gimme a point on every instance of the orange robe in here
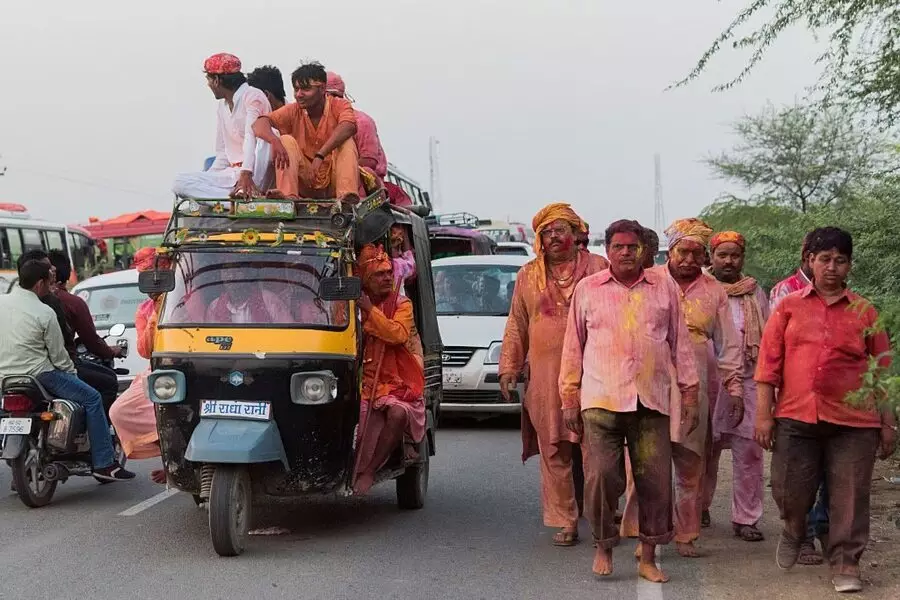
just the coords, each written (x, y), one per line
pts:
(534, 331)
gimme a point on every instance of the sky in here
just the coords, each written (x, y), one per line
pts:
(533, 101)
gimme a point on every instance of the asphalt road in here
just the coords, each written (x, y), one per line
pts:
(479, 536)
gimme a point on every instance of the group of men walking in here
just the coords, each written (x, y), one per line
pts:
(661, 368)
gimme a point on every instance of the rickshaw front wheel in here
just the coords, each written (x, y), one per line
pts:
(412, 486)
(230, 505)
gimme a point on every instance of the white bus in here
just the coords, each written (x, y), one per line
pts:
(19, 233)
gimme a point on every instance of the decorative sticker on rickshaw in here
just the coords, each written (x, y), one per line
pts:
(250, 237)
(222, 341)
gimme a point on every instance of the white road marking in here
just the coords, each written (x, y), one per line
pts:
(148, 503)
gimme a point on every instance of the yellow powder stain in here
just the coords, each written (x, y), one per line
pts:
(646, 451)
(699, 321)
(632, 310)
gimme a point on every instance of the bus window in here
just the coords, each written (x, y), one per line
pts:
(83, 257)
(32, 240)
(12, 246)
(54, 240)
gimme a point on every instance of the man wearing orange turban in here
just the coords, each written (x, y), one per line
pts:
(537, 320)
(391, 403)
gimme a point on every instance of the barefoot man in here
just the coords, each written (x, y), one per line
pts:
(750, 310)
(625, 336)
(709, 321)
(391, 405)
(537, 318)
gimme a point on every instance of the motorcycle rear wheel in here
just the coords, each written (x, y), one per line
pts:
(33, 489)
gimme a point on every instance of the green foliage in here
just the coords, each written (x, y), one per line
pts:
(861, 64)
(799, 157)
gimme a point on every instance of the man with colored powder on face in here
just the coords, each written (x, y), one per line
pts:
(750, 310)
(537, 316)
(315, 157)
(816, 350)
(241, 163)
(716, 346)
(625, 338)
(392, 404)
(817, 520)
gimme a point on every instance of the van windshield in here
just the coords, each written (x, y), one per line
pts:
(252, 290)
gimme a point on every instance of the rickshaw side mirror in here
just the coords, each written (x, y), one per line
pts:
(156, 282)
(340, 288)
(419, 210)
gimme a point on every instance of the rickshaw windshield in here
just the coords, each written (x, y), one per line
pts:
(252, 290)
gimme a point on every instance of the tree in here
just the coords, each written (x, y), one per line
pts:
(800, 157)
(861, 64)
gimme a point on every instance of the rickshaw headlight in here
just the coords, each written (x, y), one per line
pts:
(313, 388)
(165, 387)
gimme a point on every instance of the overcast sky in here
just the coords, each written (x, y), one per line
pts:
(533, 101)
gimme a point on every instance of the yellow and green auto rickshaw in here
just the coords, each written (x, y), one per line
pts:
(261, 397)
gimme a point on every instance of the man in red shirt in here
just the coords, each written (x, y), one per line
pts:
(815, 350)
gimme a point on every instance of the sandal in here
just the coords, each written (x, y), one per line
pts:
(809, 556)
(565, 538)
(748, 533)
(787, 551)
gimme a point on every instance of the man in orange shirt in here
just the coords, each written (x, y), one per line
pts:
(391, 404)
(815, 350)
(315, 157)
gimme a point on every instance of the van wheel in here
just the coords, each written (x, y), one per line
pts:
(230, 501)
(33, 488)
(412, 486)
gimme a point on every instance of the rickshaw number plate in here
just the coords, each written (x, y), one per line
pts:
(236, 409)
(452, 377)
(15, 426)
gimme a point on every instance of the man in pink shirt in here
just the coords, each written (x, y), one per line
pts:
(625, 337)
(372, 158)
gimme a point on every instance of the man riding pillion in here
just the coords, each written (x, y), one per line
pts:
(31, 343)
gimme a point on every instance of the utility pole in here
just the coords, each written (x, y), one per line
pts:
(434, 174)
(2, 168)
(659, 212)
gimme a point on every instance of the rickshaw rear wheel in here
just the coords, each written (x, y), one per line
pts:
(412, 486)
(230, 505)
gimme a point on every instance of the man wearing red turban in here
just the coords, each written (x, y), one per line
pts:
(391, 403)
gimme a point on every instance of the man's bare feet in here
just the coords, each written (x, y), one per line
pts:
(651, 572)
(158, 476)
(687, 550)
(637, 551)
(603, 562)
(364, 483)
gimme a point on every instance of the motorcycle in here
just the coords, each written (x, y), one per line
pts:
(44, 439)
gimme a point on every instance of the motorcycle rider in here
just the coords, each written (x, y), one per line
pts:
(31, 343)
(78, 317)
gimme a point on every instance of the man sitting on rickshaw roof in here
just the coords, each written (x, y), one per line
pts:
(391, 404)
(315, 157)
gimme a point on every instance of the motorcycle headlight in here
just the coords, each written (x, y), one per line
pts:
(313, 388)
(493, 354)
(165, 387)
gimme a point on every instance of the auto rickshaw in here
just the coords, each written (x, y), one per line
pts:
(252, 401)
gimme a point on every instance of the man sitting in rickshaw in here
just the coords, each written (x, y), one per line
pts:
(391, 404)
(243, 302)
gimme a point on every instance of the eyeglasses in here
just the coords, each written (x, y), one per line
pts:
(557, 231)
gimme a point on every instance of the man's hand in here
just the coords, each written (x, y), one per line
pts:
(888, 442)
(245, 188)
(764, 431)
(507, 380)
(690, 418)
(280, 154)
(572, 418)
(116, 350)
(316, 165)
(735, 411)
(365, 303)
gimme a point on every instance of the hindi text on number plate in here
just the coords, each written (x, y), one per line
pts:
(236, 409)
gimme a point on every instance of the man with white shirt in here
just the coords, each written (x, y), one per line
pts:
(242, 162)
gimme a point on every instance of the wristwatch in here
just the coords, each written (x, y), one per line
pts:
(320, 156)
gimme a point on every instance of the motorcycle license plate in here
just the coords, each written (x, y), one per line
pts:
(15, 426)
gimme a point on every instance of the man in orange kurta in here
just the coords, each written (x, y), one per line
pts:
(537, 319)
(391, 404)
(315, 156)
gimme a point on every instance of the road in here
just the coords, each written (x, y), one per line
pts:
(479, 536)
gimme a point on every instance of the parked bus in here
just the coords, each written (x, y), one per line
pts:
(19, 233)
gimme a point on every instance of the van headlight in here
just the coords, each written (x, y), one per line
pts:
(493, 354)
(318, 387)
(165, 387)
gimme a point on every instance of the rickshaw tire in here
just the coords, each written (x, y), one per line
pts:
(412, 486)
(230, 503)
